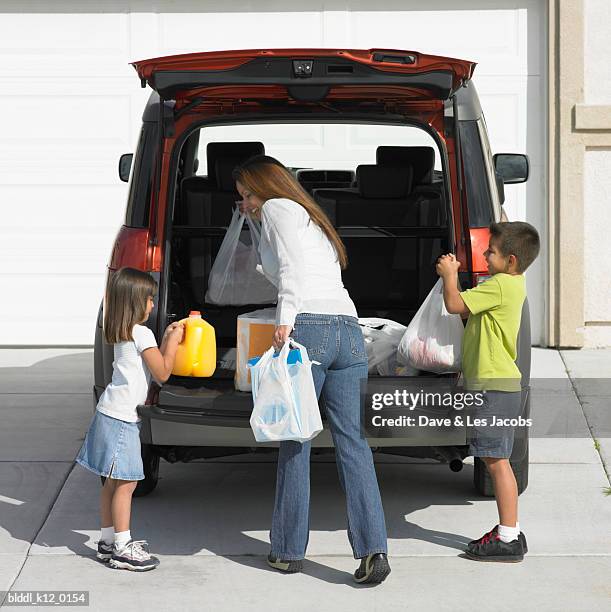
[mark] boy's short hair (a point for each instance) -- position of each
(517, 238)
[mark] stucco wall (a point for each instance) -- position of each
(597, 52)
(597, 179)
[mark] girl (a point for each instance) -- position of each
(302, 255)
(112, 444)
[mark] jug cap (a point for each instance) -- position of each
(195, 313)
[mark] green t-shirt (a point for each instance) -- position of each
(491, 334)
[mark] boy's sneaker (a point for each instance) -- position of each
(133, 556)
(104, 551)
(490, 547)
(288, 567)
(373, 569)
(494, 531)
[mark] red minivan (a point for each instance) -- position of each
(339, 119)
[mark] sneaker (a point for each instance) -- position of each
(133, 556)
(490, 547)
(495, 530)
(288, 567)
(373, 569)
(104, 551)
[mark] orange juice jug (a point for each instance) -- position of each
(196, 354)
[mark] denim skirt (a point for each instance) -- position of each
(112, 448)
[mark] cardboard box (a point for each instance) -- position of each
(254, 337)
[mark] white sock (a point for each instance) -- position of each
(122, 538)
(508, 534)
(107, 534)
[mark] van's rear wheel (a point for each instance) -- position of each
(150, 463)
(483, 482)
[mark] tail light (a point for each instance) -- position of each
(479, 278)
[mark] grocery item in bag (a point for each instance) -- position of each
(433, 339)
(196, 354)
(234, 279)
(254, 336)
(285, 406)
(382, 337)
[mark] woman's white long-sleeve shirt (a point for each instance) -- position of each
(298, 258)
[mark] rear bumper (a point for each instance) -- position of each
(217, 415)
(173, 427)
(214, 423)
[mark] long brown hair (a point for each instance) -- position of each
(267, 178)
(125, 301)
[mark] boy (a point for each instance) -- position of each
(494, 309)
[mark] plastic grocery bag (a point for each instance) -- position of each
(234, 279)
(433, 339)
(284, 397)
(382, 337)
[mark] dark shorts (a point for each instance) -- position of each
(492, 439)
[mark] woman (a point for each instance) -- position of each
(302, 255)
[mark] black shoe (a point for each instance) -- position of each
(373, 569)
(491, 548)
(288, 567)
(494, 531)
(104, 551)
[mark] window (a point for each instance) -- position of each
(476, 176)
(139, 198)
(320, 146)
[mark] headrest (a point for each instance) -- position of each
(421, 159)
(382, 182)
(235, 150)
(196, 185)
(223, 173)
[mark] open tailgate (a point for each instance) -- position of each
(305, 74)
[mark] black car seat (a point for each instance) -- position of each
(422, 160)
(311, 179)
(382, 198)
(209, 202)
(429, 202)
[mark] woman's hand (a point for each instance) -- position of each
(281, 335)
(249, 209)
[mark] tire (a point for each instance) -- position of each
(150, 463)
(483, 482)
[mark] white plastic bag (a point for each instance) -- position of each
(284, 397)
(234, 279)
(382, 337)
(433, 339)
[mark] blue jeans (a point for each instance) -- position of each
(336, 341)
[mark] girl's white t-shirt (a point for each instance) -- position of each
(130, 377)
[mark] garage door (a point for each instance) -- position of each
(71, 105)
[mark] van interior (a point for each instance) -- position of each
(388, 201)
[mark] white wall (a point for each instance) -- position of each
(597, 181)
(71, 105)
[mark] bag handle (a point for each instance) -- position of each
(257, 369)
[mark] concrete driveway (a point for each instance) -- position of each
(208, 521)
